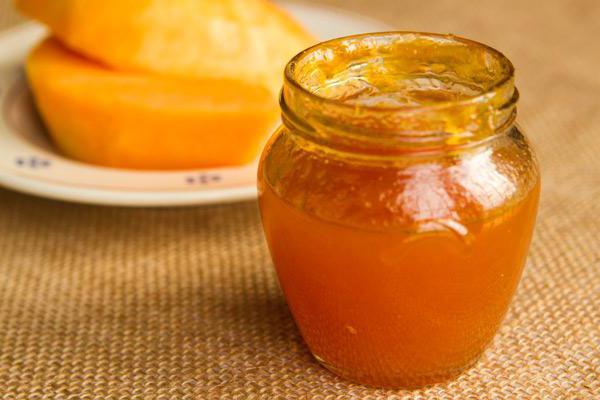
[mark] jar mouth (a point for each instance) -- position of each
(317, 56)
(401, 86)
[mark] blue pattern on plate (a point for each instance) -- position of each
(202, 179)
(32, 162)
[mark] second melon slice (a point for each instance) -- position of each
(142, 121)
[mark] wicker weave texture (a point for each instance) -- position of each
(109, 303)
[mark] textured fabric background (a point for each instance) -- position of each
(112, 303)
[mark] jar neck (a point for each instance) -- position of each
(397, 93)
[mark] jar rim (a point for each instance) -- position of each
(467, 93)
(506, 79)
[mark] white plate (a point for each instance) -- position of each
(29, 162)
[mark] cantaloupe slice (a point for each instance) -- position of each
(245, 39)
(134, 120)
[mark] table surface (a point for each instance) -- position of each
(114, 303)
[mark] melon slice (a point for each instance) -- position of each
(145, 121)
(250, 40)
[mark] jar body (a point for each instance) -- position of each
(398, 271)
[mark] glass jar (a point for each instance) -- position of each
(398, 201)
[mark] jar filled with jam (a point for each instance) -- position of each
(398, 201)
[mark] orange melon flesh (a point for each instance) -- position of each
(250, 40)
(142, 121)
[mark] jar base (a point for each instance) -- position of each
(397, 382)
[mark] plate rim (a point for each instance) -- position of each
(137, 198)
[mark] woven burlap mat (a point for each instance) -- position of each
(112, 303)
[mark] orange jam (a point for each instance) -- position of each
(398, 201)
